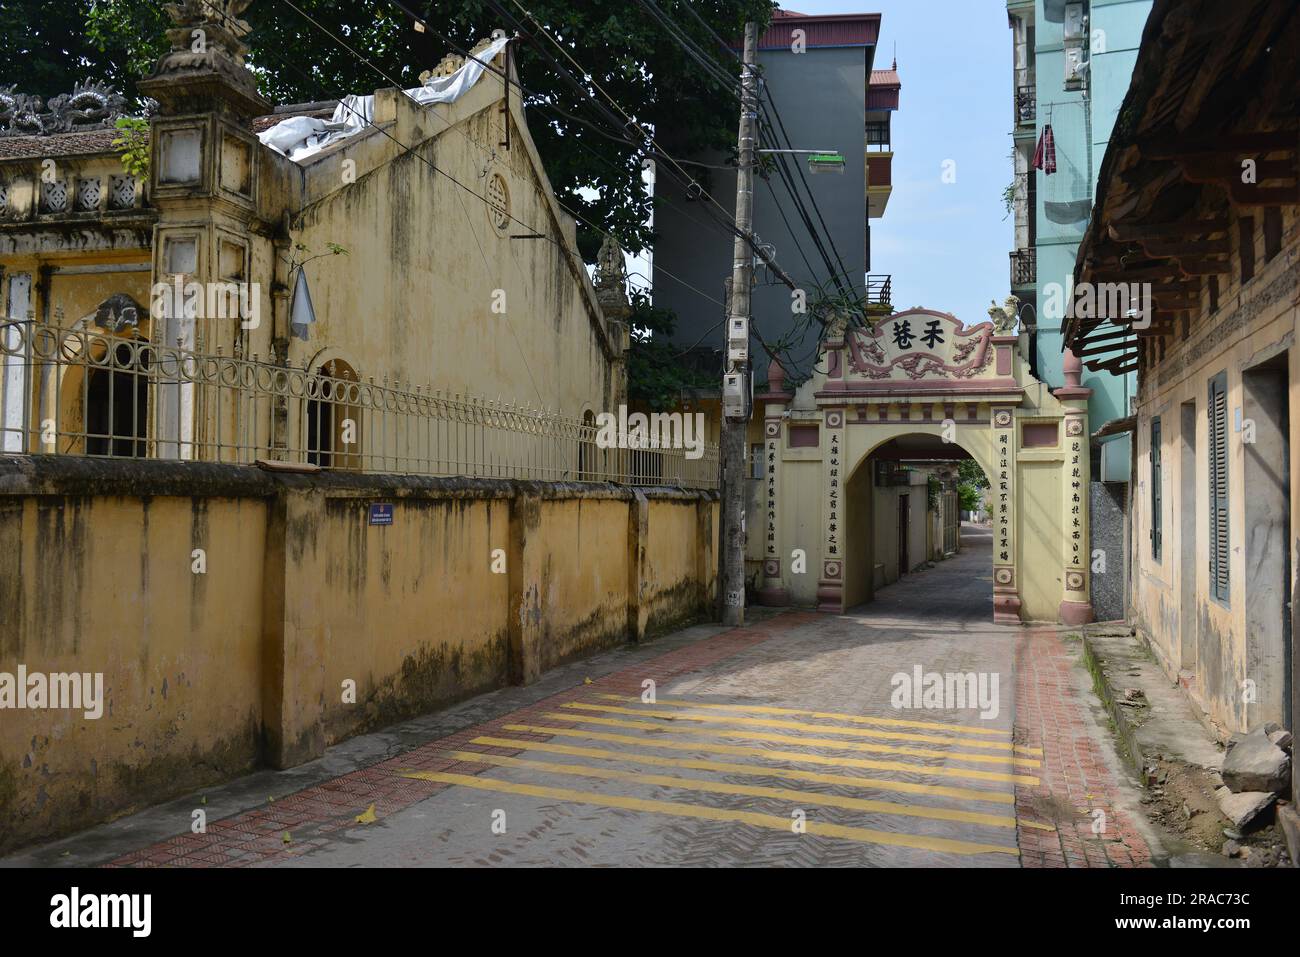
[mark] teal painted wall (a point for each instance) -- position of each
(1082, 121)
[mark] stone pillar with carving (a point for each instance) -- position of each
(775, 402)
(611, 292)
(1076, 603)
(833, 344)
(830, 587)
(1002, 501)
(204, 168)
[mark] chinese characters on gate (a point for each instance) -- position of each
(833, 497)
(771, 497)
(1004, 497)
(1076, 524)
(903, 335)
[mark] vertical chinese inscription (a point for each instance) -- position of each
(834, 438)
(1076, 504)
(1004, 454)
(773, 437)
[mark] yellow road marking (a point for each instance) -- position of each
(679, 809)
(753, 790)
(905, 787)
(797, 757)
(798, 726)
(829, 715)
(805, 742)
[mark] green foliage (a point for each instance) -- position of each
(48, 47)
(1009, 198)
(622, 47)
(971, 481)
(656, 376)
(133, 143)
(933, 491)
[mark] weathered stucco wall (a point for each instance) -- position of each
(473, 585)
(1213, 646)
(93, 583)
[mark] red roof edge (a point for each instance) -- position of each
(826, 30)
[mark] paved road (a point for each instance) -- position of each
(776, 744)
(720, 768)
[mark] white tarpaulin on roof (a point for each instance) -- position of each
(301, 137)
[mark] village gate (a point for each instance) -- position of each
(921, 380)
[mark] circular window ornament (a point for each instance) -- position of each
(498, 198)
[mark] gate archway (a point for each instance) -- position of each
(922, 372)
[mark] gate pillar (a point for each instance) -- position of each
(773, 590)
(1006, 587)
(1076, 603)
(830, 587)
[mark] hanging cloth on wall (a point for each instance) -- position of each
(1045, 153)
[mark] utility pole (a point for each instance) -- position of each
(735, 381)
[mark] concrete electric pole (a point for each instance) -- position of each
(735, 381)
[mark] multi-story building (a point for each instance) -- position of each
(1072, 63)
(825, 94)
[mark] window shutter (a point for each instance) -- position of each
(1157, 482)
(1218, 414)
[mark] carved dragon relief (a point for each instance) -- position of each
(90, 106)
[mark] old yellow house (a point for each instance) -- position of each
(1198, 200)
(384, 251)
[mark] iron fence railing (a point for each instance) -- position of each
(78, 392)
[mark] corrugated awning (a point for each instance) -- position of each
(1116, 427)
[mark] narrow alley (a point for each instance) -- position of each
(773, 744)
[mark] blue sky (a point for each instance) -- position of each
(945, 244)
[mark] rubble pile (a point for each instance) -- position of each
(1256, 776)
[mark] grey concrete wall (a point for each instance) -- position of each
(821, 97)
(1106, 517)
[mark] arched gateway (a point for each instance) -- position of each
(921, 380)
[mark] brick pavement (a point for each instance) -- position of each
(1077, 782)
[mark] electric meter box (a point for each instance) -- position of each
(738, 341)
(733, 395)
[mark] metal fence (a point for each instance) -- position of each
(78, 392)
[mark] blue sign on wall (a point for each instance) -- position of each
(381, 513)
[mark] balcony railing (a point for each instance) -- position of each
(879, 290)
(1024, 267)
(878, 134)
(1026, 104)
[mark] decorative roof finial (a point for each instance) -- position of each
(611, 280)
(205, 66)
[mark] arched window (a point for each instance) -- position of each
(333, 419)
(117, 400)
(588, 454)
